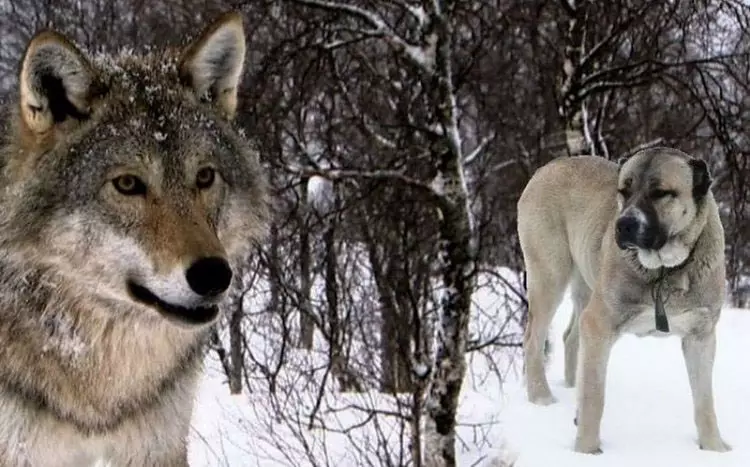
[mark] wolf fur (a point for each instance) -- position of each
(128, 198)
(612, 233)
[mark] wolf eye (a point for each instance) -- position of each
(623, 192)
(205, 178)
(129, 185)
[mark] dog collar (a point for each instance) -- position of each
(660, 314)
(657, 293)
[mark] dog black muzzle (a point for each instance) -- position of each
(630, 232)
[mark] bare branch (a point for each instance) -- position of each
(422, 56)
(649, 144)
(478, 150)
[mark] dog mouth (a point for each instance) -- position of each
(183, 315)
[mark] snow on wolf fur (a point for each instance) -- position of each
(128, 198)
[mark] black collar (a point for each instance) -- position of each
(657, 291)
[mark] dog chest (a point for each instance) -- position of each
(682, 321)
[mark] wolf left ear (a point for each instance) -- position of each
(212, 64)
(701, 178)
(56, 82)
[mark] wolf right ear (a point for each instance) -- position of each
(212, 65)
(56, 82)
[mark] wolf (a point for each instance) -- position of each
(641, 245)
(128, 197)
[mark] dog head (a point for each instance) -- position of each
(127, 174)
(660, 193)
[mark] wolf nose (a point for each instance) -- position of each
(209, 276)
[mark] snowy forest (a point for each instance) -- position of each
(397, 136)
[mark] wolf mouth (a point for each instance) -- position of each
(194, 316)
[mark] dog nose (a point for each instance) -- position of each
(626, 232)
(209, 276)
(627, 228)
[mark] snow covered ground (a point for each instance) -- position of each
(648, 417)
(647, 420)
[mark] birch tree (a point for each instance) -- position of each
(429, 50)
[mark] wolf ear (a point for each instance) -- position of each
(56, 82)
(701, 178)
(212, 65)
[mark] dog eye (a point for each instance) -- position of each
(129, 185)
(205, 178)
(659, 194)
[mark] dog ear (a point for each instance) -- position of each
(701, 178)
(56, 82)
(212, 64)
(621, 161)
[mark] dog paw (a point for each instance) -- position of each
(717, 445)
(586, 447)
(543, 400)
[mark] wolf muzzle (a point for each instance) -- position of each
(208, 277)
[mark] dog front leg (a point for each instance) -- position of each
(596, 340)
(699, 352)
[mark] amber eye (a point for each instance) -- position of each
(129, 185)
(205, 178)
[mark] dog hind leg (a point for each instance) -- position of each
(580, 293)
(548, 269)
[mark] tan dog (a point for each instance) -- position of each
(628, 240)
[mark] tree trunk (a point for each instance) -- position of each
(400, 283)
(388, 345)
(570, 108)
(274, 279)
(235, 347)
(456, 261)
(336, 338)
(306, 323)
(451, 335)
(395, 348)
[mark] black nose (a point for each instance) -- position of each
(626, 231)
(209, 276)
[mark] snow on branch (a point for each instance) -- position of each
(479, 149)
(422, 56)
(418, 12)
(384, 175)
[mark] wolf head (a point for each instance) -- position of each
(661, 192)
(126, 175)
